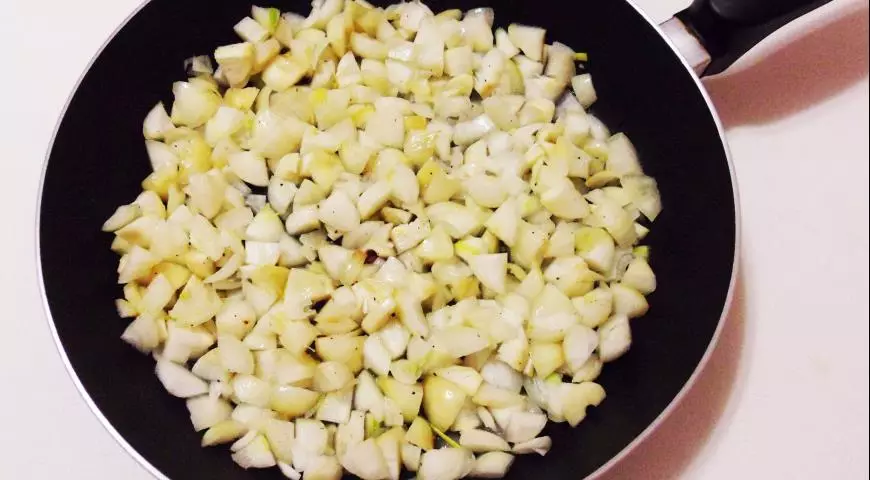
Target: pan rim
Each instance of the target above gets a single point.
(735, 262)
(639, 439)
(82, 391)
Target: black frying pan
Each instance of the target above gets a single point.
(645, 88)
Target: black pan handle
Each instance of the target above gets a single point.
(729, 28)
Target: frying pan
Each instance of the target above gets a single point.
(646, 89)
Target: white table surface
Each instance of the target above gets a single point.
(786, 393)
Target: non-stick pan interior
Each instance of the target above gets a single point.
(98, 160)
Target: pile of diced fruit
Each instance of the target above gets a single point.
(378, 238)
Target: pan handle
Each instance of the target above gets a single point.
(724, 30)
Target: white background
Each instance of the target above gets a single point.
(786, 393)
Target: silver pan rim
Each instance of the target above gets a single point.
(639, 439)
(735, 265)
(89, 401)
